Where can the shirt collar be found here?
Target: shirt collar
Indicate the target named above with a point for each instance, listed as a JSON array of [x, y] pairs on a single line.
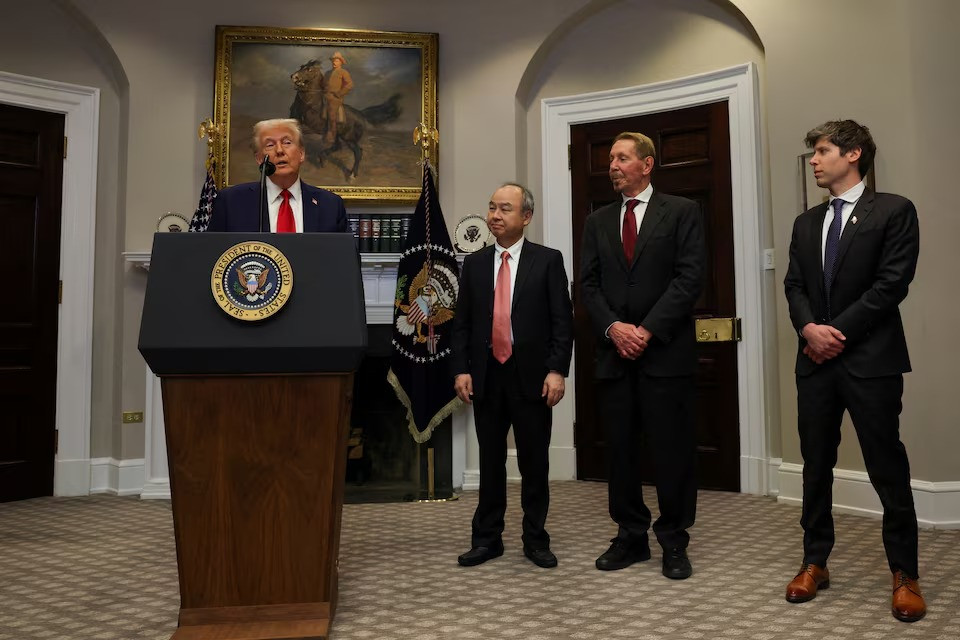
[[644, 196], [850, 195], [514, 249], [273, 191]]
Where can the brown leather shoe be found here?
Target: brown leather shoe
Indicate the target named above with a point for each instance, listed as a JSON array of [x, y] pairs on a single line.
[[907, 604], [809, 579]]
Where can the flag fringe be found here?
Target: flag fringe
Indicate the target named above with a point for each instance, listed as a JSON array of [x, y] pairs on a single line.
[[421, 436]]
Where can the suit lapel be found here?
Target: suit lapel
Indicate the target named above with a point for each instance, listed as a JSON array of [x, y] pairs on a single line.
[[816, 244], [486, 276], [859, 214], [610, 223], [656, 209], [527, 257], [311, 218]]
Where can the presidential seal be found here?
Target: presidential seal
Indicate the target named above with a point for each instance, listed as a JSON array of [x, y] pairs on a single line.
[[251, 281]]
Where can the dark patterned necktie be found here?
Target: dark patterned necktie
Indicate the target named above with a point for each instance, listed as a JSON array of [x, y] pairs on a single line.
[[830, 251]]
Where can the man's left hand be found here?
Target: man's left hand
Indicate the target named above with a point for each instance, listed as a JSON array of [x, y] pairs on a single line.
[[552, 388]]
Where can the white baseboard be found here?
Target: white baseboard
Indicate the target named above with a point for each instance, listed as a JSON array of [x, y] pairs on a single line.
[[937, 503], [563, 466], [773, 476], [155, 491], [117, 477], [72, 477]]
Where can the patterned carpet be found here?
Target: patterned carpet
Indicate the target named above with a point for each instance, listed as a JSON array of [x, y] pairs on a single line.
[[104, 567]]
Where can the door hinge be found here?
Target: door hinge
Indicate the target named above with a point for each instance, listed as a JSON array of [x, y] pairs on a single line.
[[64, 147], [60, 292], [56, 441], [569, 158]]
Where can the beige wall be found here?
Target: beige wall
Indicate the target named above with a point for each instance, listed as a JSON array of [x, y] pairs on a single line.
[[896, 77]]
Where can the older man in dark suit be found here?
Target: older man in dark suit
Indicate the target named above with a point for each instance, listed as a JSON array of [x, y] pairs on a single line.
[[291, 205], [851, 262], [512, 344], [641, 272]]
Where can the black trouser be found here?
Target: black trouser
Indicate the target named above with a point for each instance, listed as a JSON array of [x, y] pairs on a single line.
[[874, 405], [502, 405], [661, 410]]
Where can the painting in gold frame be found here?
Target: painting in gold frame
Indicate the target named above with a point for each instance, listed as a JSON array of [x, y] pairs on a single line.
[[267, 72]]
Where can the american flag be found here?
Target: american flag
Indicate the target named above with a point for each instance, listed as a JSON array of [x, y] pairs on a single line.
[[201, 217]]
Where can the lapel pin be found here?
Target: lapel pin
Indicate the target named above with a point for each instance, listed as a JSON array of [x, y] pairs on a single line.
[[313, 200], [853, 219]]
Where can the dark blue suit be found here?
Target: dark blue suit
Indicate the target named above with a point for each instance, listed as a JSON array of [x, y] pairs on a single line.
[[236, 209]]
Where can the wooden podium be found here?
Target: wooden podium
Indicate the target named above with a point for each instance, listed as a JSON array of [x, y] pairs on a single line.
[[256, 418]]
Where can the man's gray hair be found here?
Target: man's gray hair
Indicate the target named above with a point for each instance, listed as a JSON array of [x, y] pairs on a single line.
[[526, 203], [288, 123]]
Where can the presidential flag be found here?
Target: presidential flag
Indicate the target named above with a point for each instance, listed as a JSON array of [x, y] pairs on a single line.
[[201, 217], [428, 284]]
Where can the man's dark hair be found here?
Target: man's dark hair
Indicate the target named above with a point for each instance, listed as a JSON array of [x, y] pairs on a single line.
[[847, 135]]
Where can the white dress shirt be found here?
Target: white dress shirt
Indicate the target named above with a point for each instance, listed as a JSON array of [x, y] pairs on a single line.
[[274, 199], [850, 198], [513, 261], [643, 199]]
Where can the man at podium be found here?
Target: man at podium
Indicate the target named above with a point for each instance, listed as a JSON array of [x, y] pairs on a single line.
[[292, 206]]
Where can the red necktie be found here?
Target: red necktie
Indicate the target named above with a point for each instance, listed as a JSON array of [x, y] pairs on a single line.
[[629, 232], [285, 222], [501, 312]]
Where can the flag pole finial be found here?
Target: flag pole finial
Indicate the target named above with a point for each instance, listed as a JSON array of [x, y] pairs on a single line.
[[427, 138], [211, 132]]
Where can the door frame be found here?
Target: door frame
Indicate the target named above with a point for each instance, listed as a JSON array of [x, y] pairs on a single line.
[[81, 107], [739, 87]]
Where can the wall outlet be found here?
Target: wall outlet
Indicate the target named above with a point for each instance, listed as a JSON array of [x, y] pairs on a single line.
[[130, 417]]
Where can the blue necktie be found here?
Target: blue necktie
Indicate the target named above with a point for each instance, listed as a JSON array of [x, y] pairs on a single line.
[[830, 251]]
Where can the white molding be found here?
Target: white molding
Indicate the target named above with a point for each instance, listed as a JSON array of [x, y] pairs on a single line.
[[116, 477], [773, 476], [937, 503], [738, 87], [81, 107]]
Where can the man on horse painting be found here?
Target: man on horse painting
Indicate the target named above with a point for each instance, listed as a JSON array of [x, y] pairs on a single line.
[[338, 85], [292, 205]]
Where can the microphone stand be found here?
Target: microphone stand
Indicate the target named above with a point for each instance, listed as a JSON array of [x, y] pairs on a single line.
[[267, 168]]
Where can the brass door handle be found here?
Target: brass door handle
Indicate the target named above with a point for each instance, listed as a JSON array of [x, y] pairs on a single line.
[[718, 330]]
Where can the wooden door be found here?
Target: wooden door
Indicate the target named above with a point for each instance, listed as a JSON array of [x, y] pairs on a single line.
[[31, 177], [693, 160]]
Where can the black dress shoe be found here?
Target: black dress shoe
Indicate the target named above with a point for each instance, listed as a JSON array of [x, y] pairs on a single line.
[[479, 555], [676, 565], [622, 554], [541, 557]]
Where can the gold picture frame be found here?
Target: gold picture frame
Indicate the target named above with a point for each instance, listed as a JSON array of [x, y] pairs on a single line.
[[270, 72]]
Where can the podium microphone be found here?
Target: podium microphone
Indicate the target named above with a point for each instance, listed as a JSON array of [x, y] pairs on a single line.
[[267, 168]]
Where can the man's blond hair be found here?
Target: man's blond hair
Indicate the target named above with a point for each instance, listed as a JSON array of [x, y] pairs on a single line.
[[288, 123], [644, 145]]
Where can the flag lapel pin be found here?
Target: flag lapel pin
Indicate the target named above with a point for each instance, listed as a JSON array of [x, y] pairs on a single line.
[[313, 200]]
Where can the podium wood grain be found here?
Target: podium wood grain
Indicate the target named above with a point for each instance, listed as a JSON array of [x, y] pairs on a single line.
[[257, 466]]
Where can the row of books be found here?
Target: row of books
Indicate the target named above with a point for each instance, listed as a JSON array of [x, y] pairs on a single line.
[[379, 232]]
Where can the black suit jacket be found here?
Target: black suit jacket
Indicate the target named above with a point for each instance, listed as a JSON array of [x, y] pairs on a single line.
[[236, 209], [876, 262], [542, 318], [658, 291]]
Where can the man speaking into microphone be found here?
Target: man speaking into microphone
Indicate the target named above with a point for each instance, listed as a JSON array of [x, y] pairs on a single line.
[[292, 206]]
